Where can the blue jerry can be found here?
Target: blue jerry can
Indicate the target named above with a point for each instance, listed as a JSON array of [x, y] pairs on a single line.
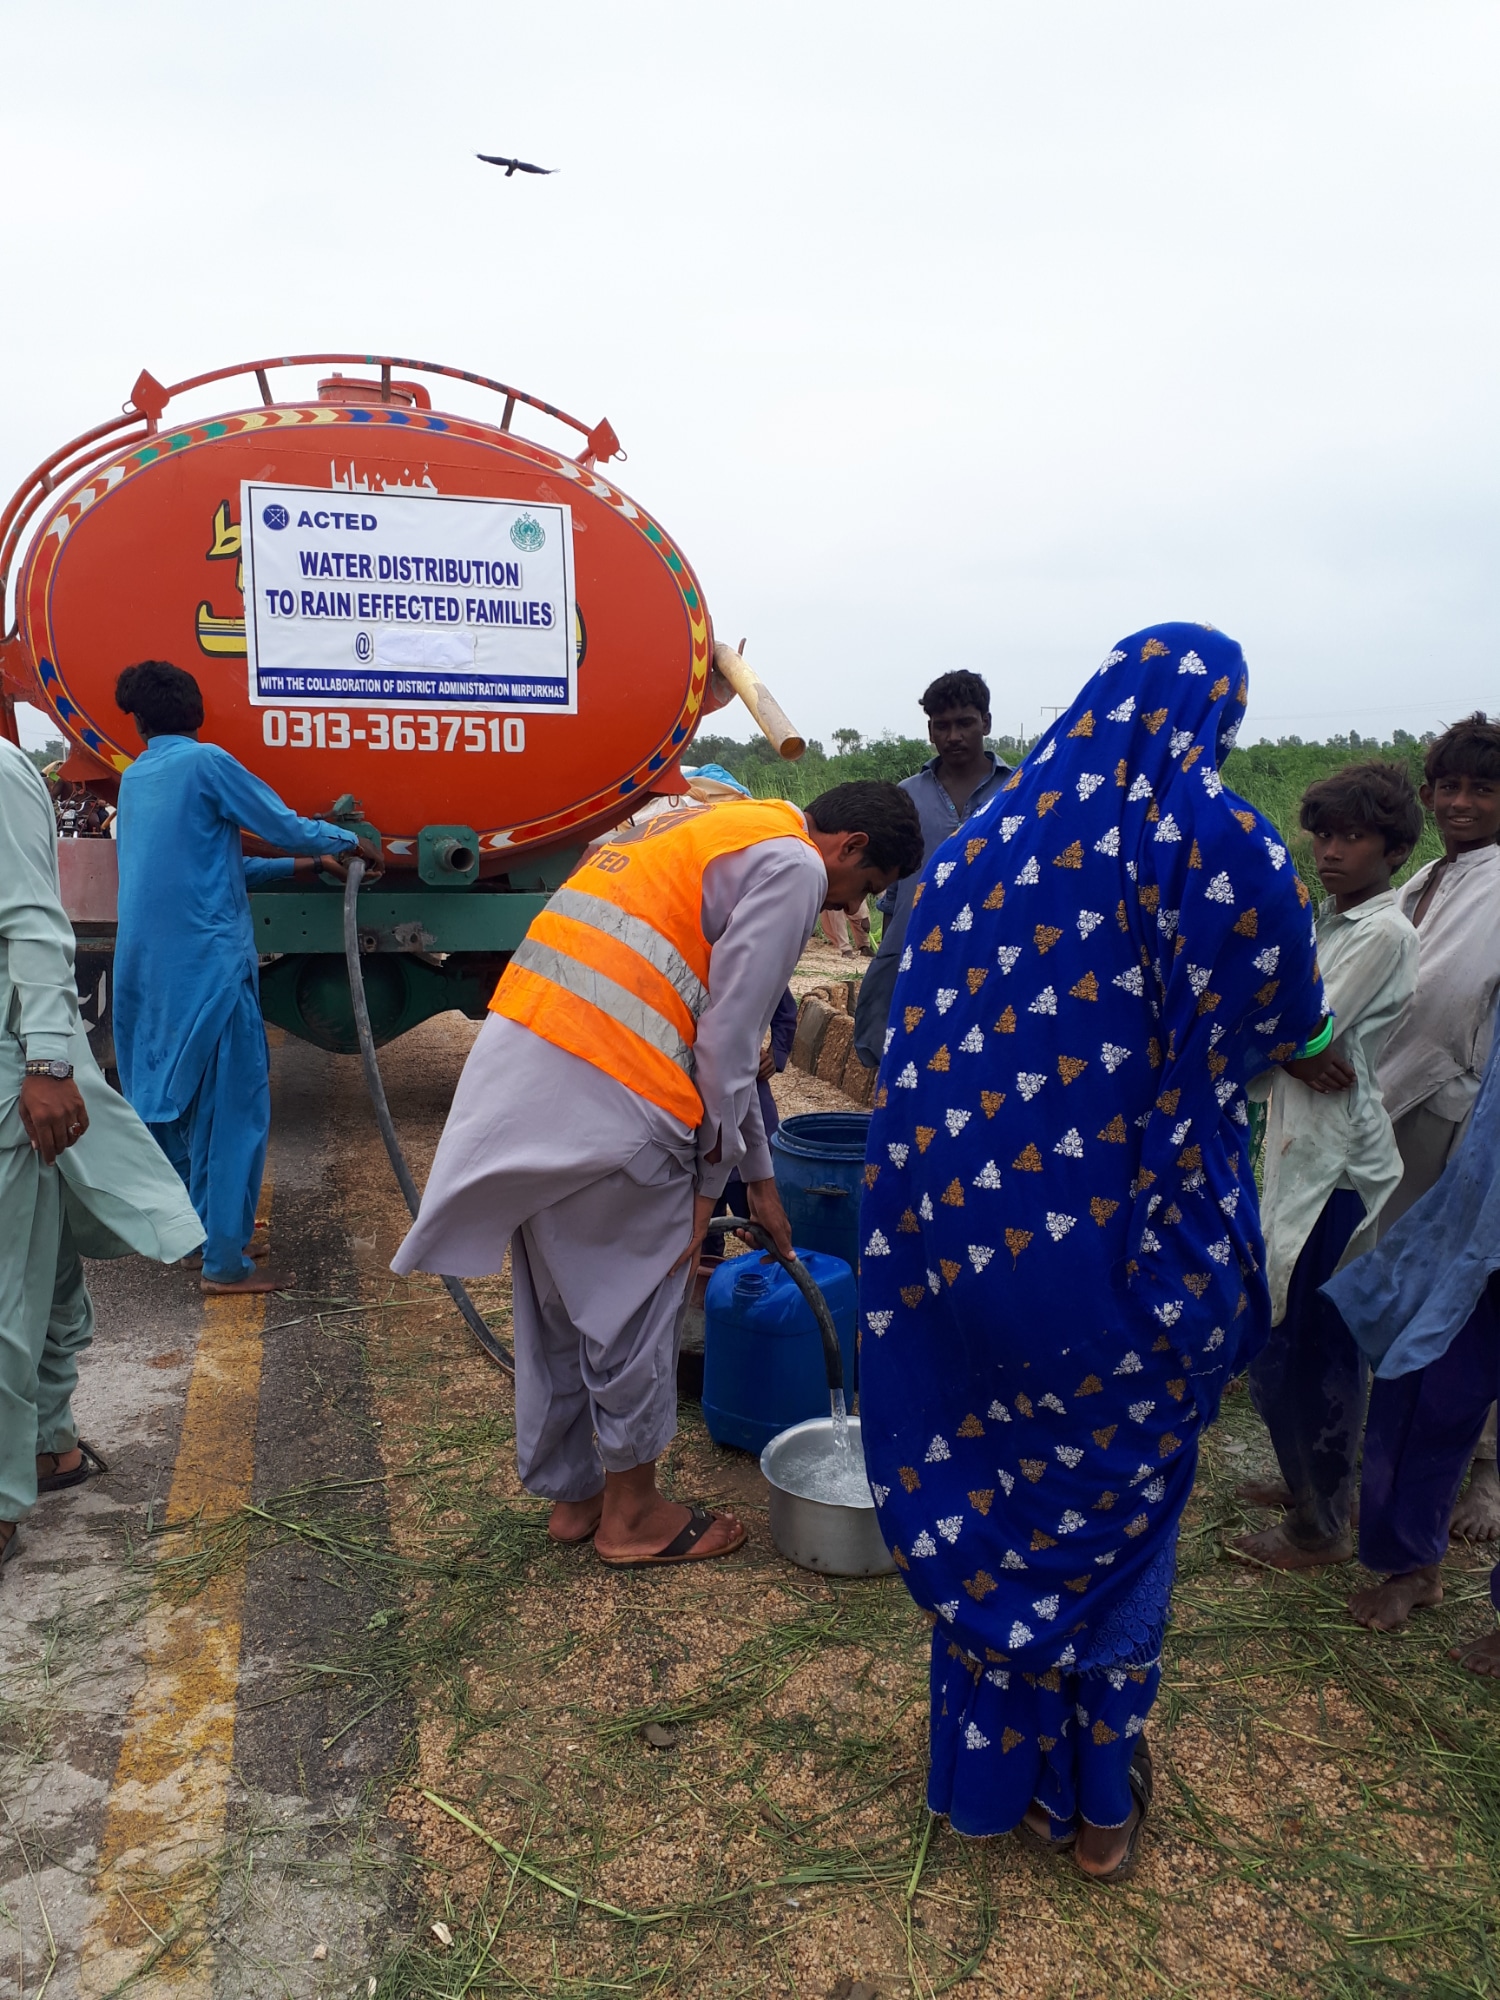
[[763, 1366]]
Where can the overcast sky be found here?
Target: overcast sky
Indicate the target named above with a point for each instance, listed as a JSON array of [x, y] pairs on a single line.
[[938, 335]]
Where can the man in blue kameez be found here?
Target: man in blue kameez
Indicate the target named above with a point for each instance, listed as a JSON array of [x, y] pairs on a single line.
[[189, 1039]]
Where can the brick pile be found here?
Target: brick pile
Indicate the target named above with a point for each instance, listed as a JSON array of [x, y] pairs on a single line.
[[825, 1039]]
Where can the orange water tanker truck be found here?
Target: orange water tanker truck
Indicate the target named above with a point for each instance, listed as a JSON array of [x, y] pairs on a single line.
[[475, 646]]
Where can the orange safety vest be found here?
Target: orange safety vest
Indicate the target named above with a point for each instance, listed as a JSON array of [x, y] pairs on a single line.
[[615, 969]]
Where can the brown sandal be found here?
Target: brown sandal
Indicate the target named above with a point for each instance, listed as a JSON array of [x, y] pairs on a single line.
[[683, 1547], [88, 1465]]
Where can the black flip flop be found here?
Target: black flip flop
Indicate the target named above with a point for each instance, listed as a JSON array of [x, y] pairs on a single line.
[[680, 1548], [87, 1467], [1142, 1790]]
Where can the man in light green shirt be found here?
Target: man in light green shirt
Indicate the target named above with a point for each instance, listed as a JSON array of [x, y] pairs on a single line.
[[79, 1173]]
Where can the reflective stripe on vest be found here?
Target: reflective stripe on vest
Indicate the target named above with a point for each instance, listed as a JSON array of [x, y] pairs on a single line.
[[608, 995], [616, 969], [638, 934]]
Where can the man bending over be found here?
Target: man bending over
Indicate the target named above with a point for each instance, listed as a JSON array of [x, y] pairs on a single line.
[[603, 1108]]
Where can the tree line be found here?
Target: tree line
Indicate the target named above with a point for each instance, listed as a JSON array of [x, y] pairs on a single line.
[[1270, 776]]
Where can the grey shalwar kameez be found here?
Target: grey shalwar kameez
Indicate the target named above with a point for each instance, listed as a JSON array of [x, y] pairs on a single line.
[[592, 1187]]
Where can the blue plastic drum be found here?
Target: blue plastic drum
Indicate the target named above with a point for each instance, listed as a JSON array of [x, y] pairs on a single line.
[[819, 1161]]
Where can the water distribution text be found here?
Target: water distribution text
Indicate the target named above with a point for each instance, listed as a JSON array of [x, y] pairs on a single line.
[[408, 598]]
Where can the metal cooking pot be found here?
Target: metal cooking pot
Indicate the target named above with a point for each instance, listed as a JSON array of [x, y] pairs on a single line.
[[816, 1534], [839, 1539]]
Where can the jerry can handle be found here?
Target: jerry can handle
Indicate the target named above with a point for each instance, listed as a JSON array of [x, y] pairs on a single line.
[[801, 1277]]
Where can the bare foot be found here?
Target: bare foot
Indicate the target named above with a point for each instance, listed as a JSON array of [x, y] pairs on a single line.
[[1101, 1848], [1275, 1547], [258, 1249], [1264, 1493], [57, 1461], [263, 1280], [1482, 1657], [7, 1536], [1476, 1518], [1038, 1823], [574, 1521], [1387, 1606]]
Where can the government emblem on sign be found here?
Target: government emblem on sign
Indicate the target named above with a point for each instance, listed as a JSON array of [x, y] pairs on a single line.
[[528, 534]]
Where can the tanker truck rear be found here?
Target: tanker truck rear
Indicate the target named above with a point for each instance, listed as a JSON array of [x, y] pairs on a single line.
[[471, 645]]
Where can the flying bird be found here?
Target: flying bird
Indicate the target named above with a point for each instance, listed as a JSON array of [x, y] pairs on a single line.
[[512, 166]]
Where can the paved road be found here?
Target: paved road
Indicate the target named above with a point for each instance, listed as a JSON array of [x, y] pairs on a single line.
[[182, 1812]]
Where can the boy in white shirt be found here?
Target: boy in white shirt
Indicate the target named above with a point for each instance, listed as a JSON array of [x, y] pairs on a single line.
[[1331, 1163]]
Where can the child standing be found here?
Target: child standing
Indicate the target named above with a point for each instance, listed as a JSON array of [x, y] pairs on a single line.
[[1331, 1160], [1425, 1307], [1430, 1076], [1432, 1067]]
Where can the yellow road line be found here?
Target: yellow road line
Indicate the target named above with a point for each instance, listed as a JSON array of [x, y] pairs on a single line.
[[165, 1817]]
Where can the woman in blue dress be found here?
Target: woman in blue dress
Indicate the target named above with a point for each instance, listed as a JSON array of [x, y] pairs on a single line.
[[1061, 1249]]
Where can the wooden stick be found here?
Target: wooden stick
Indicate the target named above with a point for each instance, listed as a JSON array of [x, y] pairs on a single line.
[[762, 704]]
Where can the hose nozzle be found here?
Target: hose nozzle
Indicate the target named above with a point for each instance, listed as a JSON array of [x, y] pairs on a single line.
[[452, 856]]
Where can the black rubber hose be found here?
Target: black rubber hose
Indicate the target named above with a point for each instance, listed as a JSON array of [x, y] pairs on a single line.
[[801, 1277], [473, 1318]]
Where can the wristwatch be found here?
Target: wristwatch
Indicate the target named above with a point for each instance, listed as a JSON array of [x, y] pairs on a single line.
[[43, 1067]]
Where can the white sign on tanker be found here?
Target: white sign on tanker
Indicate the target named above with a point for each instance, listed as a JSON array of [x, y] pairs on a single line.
[[391, 600]]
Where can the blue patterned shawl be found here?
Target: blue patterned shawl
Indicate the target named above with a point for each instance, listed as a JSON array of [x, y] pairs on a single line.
[[1061, 1247], [1411, 1297]]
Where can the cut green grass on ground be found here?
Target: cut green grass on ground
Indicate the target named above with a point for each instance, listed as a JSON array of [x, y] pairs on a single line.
[[1328, 1816]]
